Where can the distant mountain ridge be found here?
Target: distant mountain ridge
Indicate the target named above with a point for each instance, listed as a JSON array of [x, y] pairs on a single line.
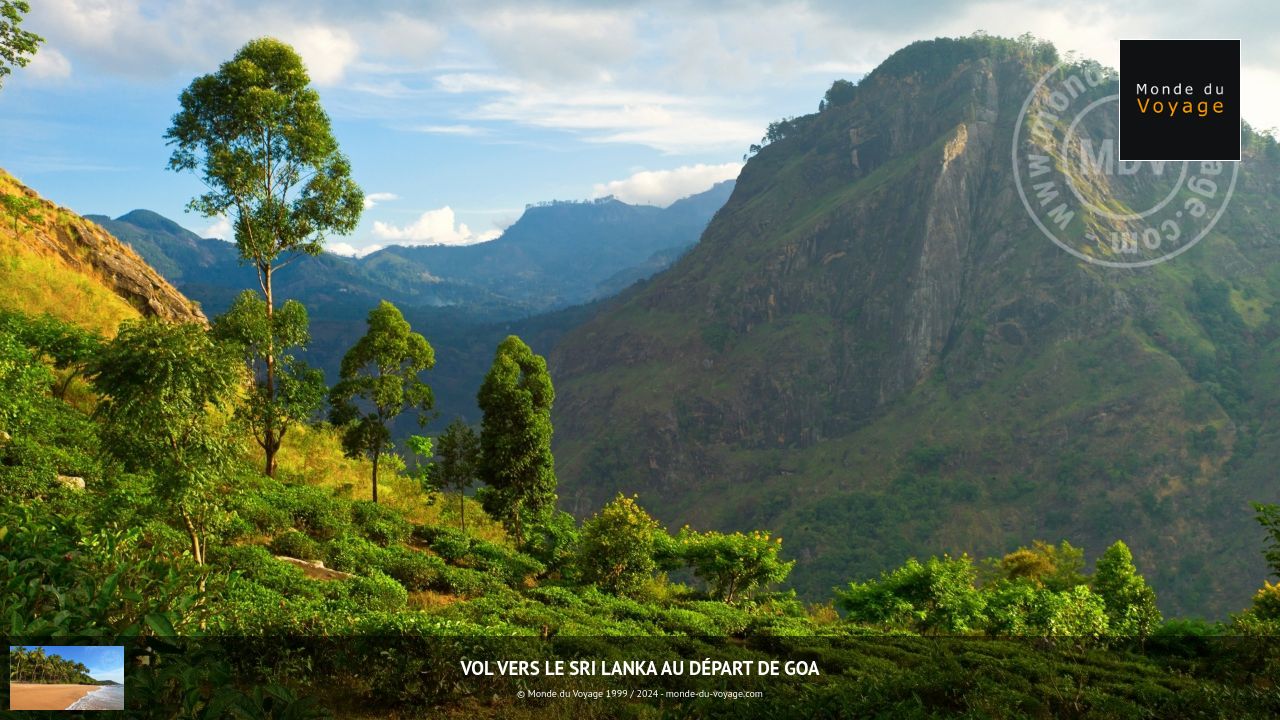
[[555, 256]]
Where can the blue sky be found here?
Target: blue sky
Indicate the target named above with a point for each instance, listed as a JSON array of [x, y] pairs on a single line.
[[104, 663], [456, 115]]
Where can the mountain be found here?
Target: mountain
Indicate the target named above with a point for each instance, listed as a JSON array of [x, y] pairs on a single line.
[[465, 300], [59, 263], [610, 244], [875, 351], [604, 241], [210, 271]]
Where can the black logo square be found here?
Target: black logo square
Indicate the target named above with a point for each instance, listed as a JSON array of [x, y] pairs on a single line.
[[1179, 99]]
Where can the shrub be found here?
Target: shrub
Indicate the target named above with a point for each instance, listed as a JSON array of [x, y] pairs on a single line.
[[414, 570], [296, 545], [616, 549], [511, 565], [315, 511], [554, 541], [379, 523], [351, 553], [255, 563], [464, 581], [937, 595], [448, 543], [262, 513], [734, 564], [377, 591]]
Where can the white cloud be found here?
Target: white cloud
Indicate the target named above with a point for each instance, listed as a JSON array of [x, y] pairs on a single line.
[[667, 122], [559, 44], [326, 51], [372, 199], [49, 64], [663, 187], [467, 130], [349, 250], [221, 229], [434, 227]]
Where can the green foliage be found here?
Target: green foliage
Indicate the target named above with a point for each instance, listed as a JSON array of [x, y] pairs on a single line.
[[314, 510], [22, 381], [515, 437], [36, 666], [61, 576], [415, 570], [70, 348], [1269, 518], [733, 565], [382, 525], [257, 564], [1266, 602], [458, 449], [841, 92], [378, 592], [378, 381], [158, 384], [296, 545], [292, 392], [554, 541], [1057, 568], [16, 45], [1130, 602], [256, 133], [354, 554], [935, 596], [452, 545], [19, 208], [617, 547]]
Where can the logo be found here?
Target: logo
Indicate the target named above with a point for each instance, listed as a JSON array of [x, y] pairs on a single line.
[[1097, 207]]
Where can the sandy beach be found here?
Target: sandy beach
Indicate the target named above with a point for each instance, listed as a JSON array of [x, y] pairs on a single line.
[[27, 696]]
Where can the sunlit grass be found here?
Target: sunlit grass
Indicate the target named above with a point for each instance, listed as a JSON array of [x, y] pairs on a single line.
[[313, 455], [37, 283]]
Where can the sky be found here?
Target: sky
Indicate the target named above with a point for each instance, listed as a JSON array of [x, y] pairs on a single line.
[[104, 663], [455, 115]]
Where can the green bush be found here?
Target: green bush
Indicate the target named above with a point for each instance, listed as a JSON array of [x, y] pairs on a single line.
[[464, 581], [264, 513], [554, 542], [296, 545], [415, 570], [448, 543], [255, 563], [315, 511], [511, 565], [617, 547], [354, 554], [379, 523], [378, 591]]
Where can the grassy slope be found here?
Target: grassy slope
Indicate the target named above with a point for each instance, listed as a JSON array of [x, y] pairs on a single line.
[[37, 283]]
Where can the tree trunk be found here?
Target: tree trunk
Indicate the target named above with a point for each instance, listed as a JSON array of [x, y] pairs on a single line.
[[376, 453], [270, 442]]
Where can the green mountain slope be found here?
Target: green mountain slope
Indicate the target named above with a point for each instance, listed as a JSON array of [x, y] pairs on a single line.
[[874, 351]]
